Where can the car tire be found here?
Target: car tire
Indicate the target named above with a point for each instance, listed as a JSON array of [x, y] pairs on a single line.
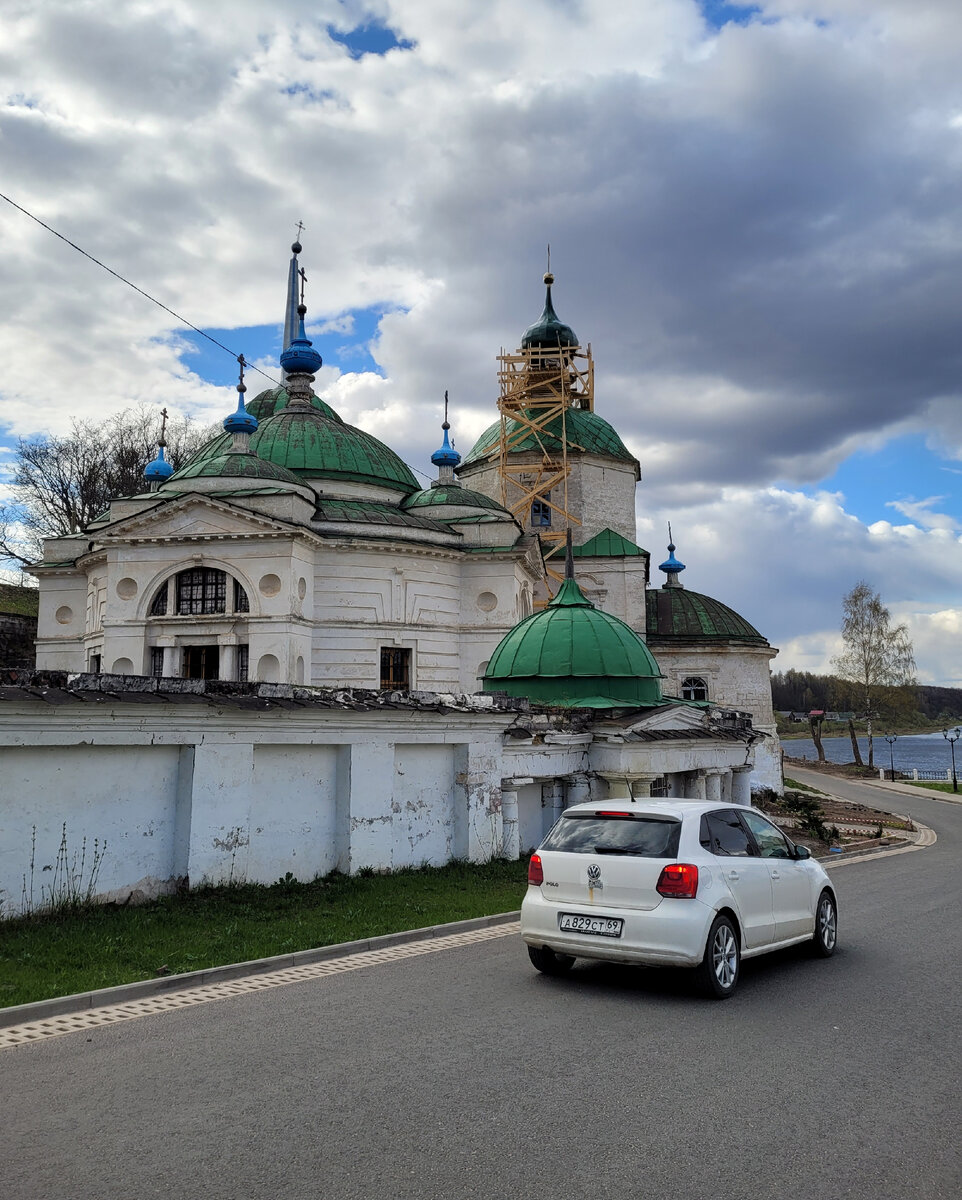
[[825, 937], [548, 962], [718, 973]]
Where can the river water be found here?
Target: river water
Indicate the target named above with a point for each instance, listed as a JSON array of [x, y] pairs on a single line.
[[926, 751]]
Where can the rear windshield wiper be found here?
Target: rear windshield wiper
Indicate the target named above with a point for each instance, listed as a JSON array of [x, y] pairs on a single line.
[[611, 850]]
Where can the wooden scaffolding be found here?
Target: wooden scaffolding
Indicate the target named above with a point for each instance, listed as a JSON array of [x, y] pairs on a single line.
[[539, 387]]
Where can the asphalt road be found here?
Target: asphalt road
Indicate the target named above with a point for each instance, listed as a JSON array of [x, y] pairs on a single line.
[[466, 1074]]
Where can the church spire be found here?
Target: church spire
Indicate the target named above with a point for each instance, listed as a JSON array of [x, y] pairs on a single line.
[[241, 424], [293, 277], [159, 470], [299, 360], [447, 458], [671, 566]]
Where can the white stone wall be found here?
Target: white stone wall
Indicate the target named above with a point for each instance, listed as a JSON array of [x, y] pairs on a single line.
[[600, 493], [739, 676], [198, 792]]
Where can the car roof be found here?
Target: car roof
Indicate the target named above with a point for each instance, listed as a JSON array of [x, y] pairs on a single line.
[[675, 807]]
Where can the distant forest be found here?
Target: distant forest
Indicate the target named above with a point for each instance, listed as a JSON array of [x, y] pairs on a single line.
[[801, 691]]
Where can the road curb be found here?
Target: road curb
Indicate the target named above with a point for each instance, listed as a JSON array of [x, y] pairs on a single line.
[[58, 1006]]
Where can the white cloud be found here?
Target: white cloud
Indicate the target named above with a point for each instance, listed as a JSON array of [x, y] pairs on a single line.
[[757, 229]]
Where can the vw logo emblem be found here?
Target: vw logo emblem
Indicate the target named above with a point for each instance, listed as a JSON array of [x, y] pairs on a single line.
[[594, 873]]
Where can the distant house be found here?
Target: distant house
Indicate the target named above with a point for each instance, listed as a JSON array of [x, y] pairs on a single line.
[[18, 625]]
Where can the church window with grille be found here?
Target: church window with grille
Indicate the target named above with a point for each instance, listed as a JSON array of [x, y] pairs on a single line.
[[159, 606], [157, 661], [694, 688], [395, 668], [201, 591]]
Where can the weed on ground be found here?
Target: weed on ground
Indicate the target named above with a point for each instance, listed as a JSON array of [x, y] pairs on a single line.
[[93, 946]]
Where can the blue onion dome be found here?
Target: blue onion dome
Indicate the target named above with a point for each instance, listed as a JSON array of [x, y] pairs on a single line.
[[671, 565], [300, 358], [160, 469], [446, 456], [548, 332], [240, 421]]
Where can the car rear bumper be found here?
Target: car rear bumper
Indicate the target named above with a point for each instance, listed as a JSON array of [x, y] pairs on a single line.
[[672, 934]]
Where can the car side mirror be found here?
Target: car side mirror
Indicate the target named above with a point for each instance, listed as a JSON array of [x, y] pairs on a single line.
[[802, 852]]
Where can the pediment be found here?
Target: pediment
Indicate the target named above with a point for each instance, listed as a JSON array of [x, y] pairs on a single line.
[[670, 716], [191, 516]]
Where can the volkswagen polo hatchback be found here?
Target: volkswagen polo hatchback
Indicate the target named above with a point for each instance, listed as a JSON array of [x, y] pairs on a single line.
[[663, 883]]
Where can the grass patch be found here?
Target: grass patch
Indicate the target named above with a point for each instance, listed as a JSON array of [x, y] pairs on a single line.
[[801, 787], [102, 946], [932, 784]]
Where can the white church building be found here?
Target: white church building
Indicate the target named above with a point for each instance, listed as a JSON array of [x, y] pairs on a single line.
[[289, 656]]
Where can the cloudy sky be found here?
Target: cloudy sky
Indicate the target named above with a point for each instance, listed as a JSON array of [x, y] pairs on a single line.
[[755, 218]]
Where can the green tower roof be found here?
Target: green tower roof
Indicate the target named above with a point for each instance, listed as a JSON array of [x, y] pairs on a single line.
[[274, 400], [676, 614], [234, 466], [314, 446], [586, 432], [608, 544], [573, 655], [454, 496]]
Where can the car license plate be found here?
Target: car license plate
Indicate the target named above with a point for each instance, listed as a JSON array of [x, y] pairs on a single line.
[[578, 923]]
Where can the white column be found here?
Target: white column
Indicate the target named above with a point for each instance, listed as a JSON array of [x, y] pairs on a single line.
[[553, 801], [511, 835], [639, 786], [741, 785], [171, 662], [696, 786], [227, 663], [577, 790], [713, 791], [617, 786]]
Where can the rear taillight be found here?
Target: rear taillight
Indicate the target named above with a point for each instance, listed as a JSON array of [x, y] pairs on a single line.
[[535, 870], [679, 880]]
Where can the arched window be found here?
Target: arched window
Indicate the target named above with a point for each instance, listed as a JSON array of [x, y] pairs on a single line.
[[694, 688], [199, 591]]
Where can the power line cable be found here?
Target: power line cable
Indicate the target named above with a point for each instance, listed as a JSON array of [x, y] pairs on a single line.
[[117, 275], [148, 296]]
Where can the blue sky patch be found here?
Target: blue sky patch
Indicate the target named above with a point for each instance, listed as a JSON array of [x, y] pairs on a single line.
[[904, 470], [719, 12], [374, 37]]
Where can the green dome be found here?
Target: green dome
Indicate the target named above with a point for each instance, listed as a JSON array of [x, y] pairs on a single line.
[[573, 655], [453, 496], [586, 432], [314, 446], [548, 332], [269, 403], [678, 615], [234, 466]]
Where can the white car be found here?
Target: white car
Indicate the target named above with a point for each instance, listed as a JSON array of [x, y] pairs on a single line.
[[673, 883]]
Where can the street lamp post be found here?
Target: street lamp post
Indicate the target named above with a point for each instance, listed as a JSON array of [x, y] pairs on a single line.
[[952, 738], [892, 738]]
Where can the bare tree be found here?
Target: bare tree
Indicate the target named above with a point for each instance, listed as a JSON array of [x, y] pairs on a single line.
[[60, 483], [875, 654]]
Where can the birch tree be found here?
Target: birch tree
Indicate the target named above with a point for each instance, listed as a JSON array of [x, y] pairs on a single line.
[[875, 653]]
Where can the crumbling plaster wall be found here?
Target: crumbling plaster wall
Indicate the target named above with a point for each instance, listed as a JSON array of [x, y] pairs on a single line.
[[193, 792]]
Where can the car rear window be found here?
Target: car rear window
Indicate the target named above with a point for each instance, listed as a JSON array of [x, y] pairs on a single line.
[[600, 833]]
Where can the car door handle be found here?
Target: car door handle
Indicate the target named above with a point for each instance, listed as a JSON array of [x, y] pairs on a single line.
[[732, 874], [775, 875]]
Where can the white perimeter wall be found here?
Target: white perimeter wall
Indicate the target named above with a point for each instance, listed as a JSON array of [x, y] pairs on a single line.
[[196, 793]]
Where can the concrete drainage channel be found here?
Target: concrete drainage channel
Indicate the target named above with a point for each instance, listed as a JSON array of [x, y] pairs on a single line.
[[74, 1014]]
